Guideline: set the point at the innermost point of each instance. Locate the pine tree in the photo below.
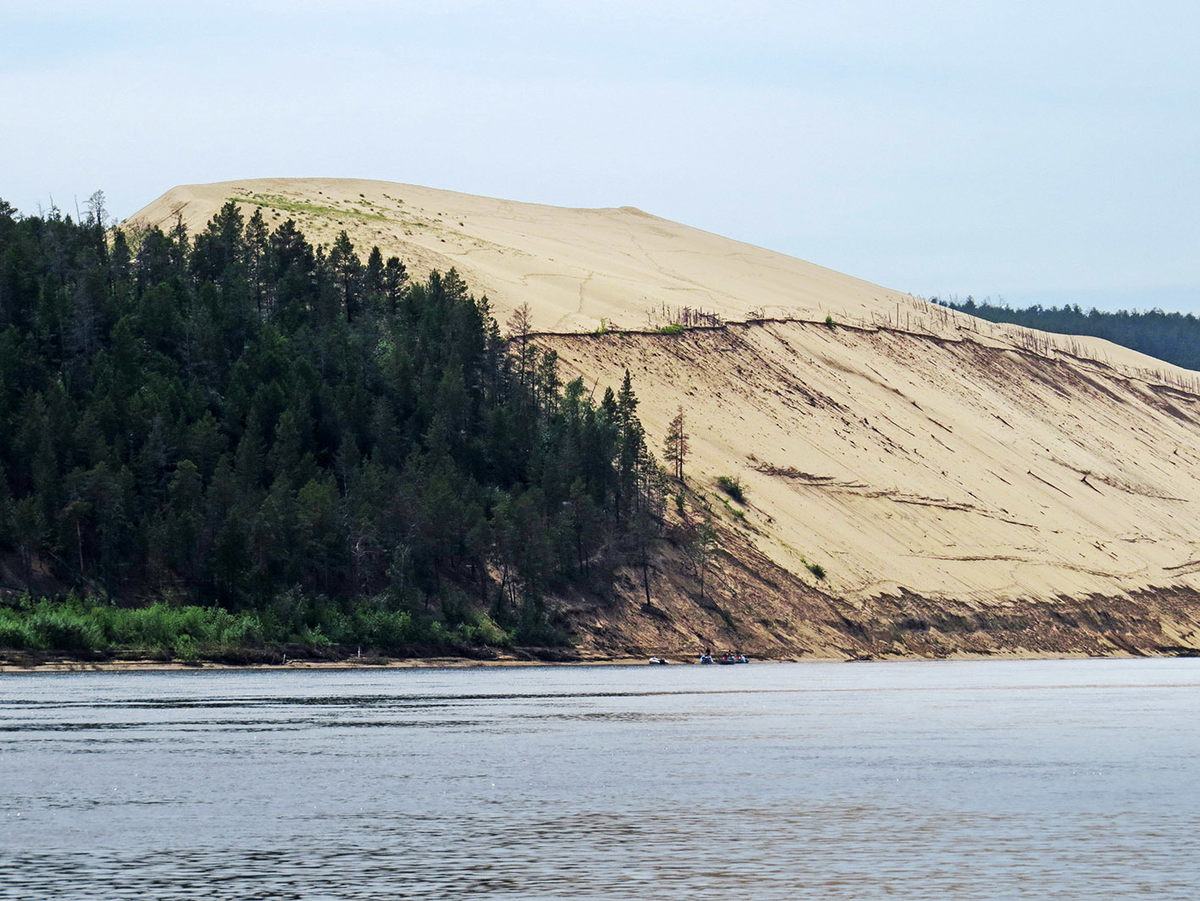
(251, 457)
(185, 520)
(347, 272)
(97, 213)
(394, 277)
(626, 400)
(6, 510)
(219, 250)
(374, 273)
(703, 540)
(520, 326)
(257, 261)
(675, 446)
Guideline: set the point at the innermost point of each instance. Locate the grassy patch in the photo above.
(674, 328)
(289, 205)
(815, 568)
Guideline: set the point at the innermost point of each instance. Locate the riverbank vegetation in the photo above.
(293, 624)
(237, 438)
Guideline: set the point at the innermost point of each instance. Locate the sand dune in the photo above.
(574, 267)
(908, 450)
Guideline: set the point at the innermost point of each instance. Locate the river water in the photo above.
(994, 779)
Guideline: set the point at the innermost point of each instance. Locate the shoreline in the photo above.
(151, 666)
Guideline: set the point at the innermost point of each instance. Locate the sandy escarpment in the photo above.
(945, 467)
(965, 487)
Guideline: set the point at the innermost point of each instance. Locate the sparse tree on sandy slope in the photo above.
(520, 324)
(704, 544)
(675, 446)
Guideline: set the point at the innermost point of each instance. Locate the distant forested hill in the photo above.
(1173, 337)
(239, 419)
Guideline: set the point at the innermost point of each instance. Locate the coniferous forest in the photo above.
(218, 441)
(1173, 337)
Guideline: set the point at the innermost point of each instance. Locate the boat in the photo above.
(727, 659)
(659, 661)
(706, 658)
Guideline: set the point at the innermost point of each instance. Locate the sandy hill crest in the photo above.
(576, 268)
(964, 486)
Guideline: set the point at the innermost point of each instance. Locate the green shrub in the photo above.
(186, 649)
(481, 630)
(534, 627)
(675, 328)
(15, 635)
(244, 629)
(816, 569)
(383, 628)
(732, 487)
(64, 629)
(315, 638)
(156, 628)
(829, 323)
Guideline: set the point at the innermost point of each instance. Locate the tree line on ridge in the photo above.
(1172, 337)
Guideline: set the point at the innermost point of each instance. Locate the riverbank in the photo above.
(133, 666)
(505, 660)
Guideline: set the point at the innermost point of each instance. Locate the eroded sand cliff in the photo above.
(966, 488)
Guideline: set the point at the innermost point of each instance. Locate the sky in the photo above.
(1042, 152)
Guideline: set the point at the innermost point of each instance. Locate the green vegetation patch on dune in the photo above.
(294, 205)
(732, 485)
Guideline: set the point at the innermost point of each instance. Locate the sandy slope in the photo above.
(574, 267)
(910, 451)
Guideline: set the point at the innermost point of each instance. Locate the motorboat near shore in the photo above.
(659, 661)
(724, 659)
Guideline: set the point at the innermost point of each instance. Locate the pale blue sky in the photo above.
(1043, 151)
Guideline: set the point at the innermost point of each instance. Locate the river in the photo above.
(965, 779)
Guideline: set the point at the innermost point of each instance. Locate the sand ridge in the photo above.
(576, 268)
